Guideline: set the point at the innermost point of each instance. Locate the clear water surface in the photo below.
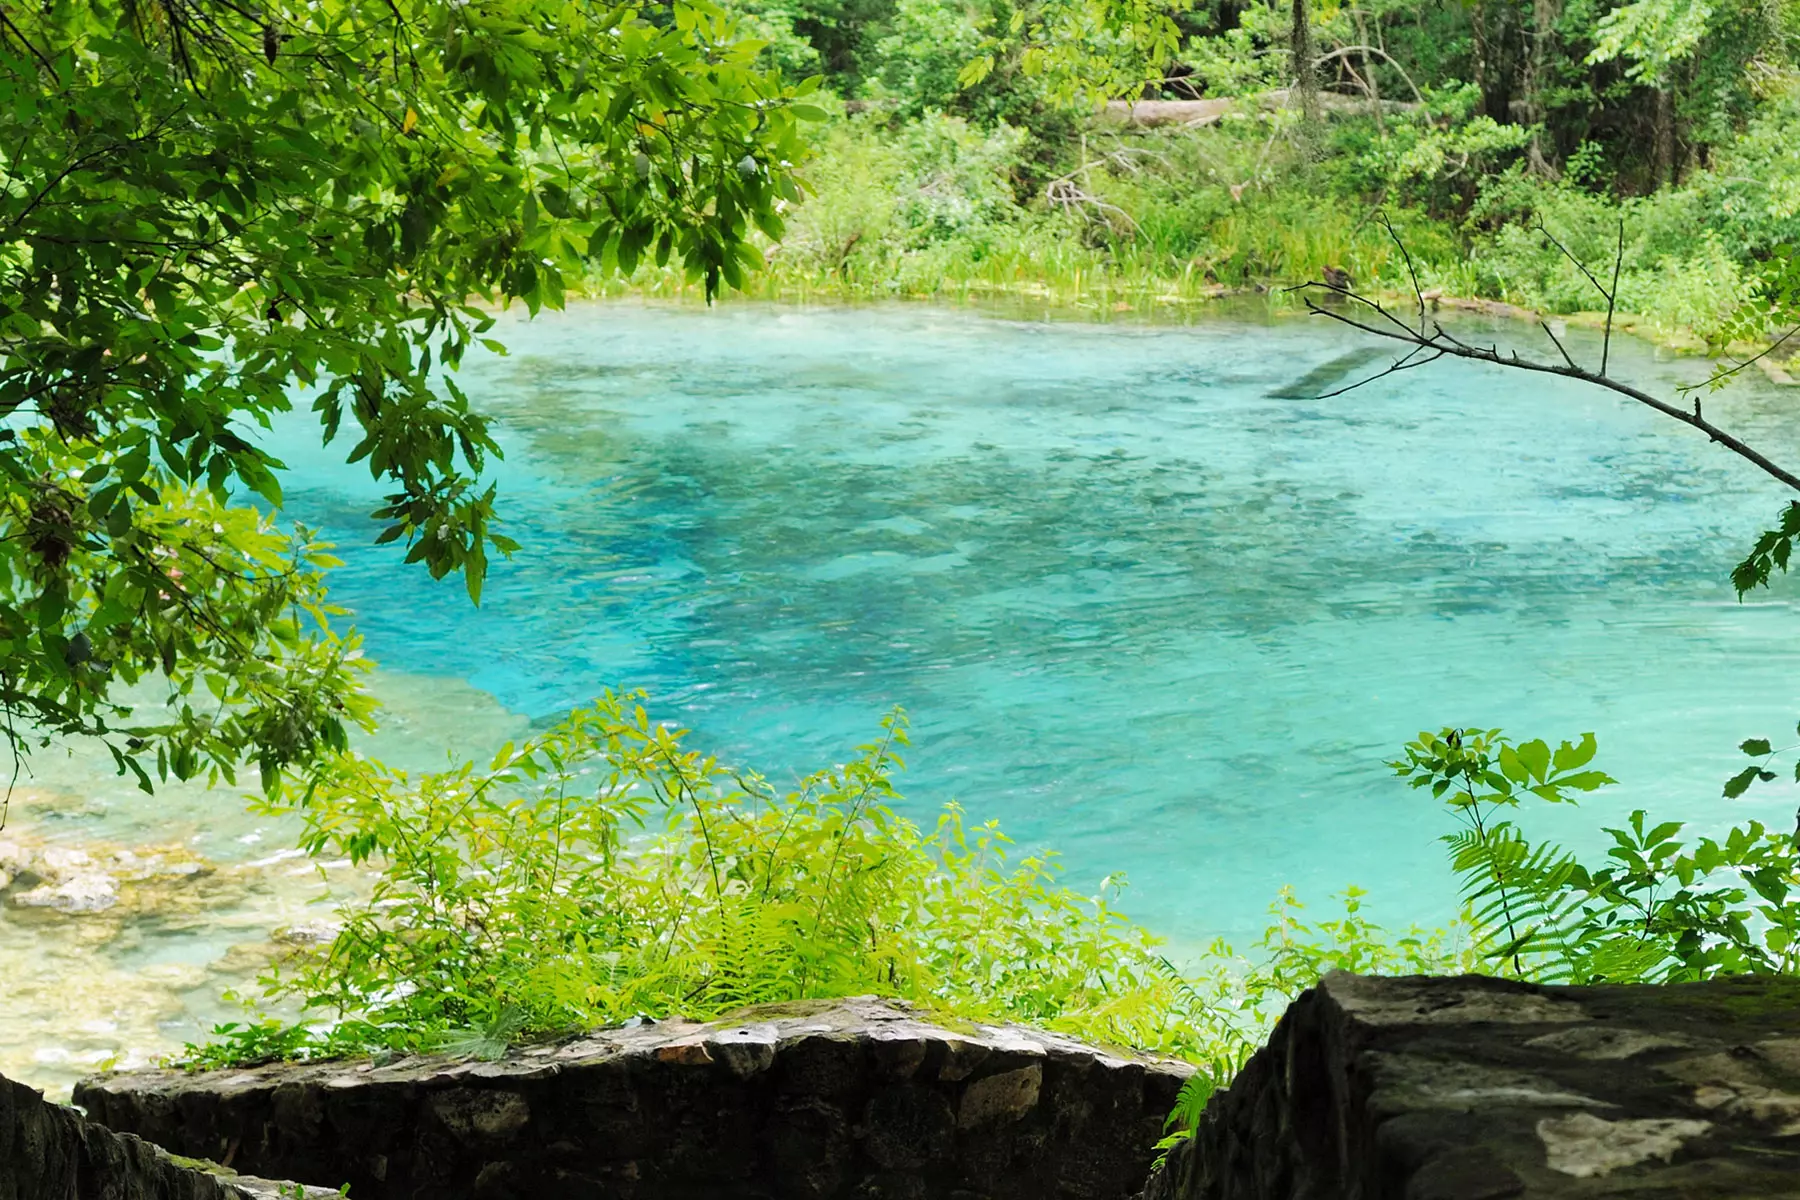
(1145, 600)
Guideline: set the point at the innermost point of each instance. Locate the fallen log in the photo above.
(1206, 111)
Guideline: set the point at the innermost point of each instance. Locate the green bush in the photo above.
(914, 208)
(603, 870)
(1657, 910)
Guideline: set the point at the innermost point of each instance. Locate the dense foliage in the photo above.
(209, 211)
(603, 871)
(1659, 909)
(967, 155)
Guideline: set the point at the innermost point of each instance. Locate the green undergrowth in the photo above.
(1163, 220)
(604, 870)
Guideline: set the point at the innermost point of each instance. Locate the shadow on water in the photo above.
(1329, 376)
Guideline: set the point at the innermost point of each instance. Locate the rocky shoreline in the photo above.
(860, 1098)
(1465, 1088)
(111, 955)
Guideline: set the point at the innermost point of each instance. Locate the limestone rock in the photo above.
(854, 1099)
(73, 880)
(1485, 1089)
(50, 1152)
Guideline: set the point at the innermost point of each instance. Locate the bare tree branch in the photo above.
(1429, 345)
(1551, 334)
(1440, 343)
(1612, 298)
(1345, 51)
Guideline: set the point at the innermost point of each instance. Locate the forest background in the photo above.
(968, 150)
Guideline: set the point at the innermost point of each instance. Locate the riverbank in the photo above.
(1100, 219)
(1099, 299)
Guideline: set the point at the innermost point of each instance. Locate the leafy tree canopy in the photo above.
(210, 209)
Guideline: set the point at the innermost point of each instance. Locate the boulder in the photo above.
(50, 1152)
(72, 880)
(862, 1098)
(1482, 1089)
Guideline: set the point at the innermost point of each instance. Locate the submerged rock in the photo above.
(73, 880)
(1483, 1089)
(307, 933)
(814, 1101)
(113, 955)
(89, 891)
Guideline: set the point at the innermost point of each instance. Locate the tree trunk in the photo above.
(1306, 72)
(1542, 156)
(1665, 135)
(1369, 80)
(1497, 65)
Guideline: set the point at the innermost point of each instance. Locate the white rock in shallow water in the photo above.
(75, 894)
(307, 933)
(62, 862)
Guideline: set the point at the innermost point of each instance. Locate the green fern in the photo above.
(1184, 1118)
(1526, 899)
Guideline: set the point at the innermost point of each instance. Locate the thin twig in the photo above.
(1612, 299)
(1444, 343)
(1545, 325)
(1399, 365)
(1411, 273)
(1579, 265)
(1720, 377)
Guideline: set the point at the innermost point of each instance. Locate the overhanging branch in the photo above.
(1430, 342)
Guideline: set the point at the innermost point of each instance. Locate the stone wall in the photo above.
(860, 1098)
(1481, 1089)
(48, 1152)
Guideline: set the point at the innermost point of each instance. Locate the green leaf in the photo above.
(1756, 747)
(1535, 756)
(1569, 757)
(1738, 784)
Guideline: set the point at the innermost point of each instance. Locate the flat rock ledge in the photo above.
(50, 1152)
(853, 1099)
(1481, 1089)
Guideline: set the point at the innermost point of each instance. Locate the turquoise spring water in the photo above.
(1145, 601)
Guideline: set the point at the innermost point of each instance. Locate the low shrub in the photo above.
(604, 870)
(1657, 909)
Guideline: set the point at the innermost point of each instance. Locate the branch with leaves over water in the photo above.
(1428, 341)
